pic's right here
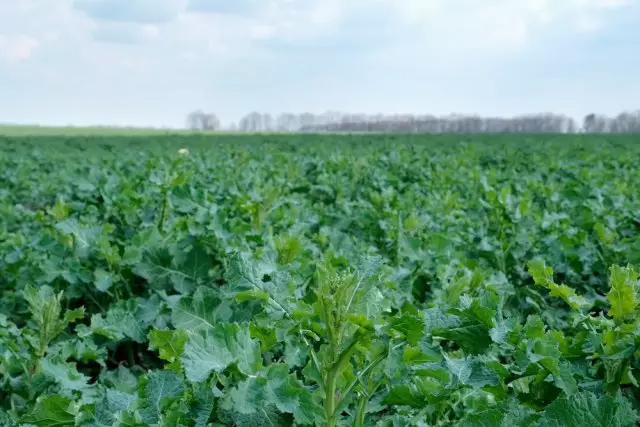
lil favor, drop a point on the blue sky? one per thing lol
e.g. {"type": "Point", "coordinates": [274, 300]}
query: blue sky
{"type": "Point", "coordinates": [150, 62]}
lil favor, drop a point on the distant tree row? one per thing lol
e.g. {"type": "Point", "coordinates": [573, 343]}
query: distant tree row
{"type": "Point", "coordinates": [199, 120]}
{"type": "Point", "coordinates": [628, 122]}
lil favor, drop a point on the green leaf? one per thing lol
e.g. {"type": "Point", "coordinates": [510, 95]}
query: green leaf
{"type": "Point", "coordinates": [564, 379]}
{"type": "Point", "coordinates": [52, 411]}
{"type": "Point", "coordinates": [567, 294]}
{"type": "Point", "coordinates": [121, 379]}
{"type": "Point", "coordinates": [65, 374]}
{"type": "Point", "coordinates": [605, 235]}
{"type": "Point", "coordinates": [203, 406]}
{"type": "Point", "coordinates": [246, 273]}
{"type": "Point", "coordinates": [472, 372]}
{"type": "Point", "coordinates": [60, 210]}
{"type": "Point", "coordinates": [128, 419]}
{"type": "Point", "coordinates": [295, 351]}
{"type": "Point", "coordinates": [157, 391]}
{"type": "Point", "coordinates": [102, 280]}
{"type": "Point", "coordinates": [541, 273]}
{"type": "Point", "coordinates": [201, 311]}
{"type": "Point", "coordinates": [46, 308]}
{"type": "Point", "coordinates": [196, 263]}
{"type": "Point", "coordinates": [267, 416]}
{"type": "Point", "coordinates": [83, 237]}
{"type": "Point", "coordinates": [488, 418]}
{"type": "Point", "coordinates": [409, 325]}
{"type": "Point", "coordinates": [469, 333]}
{"type": "Point", "coordinates": [109, 408]}
{"type": "Point", "coordinates": [543, 276]}
{"type": "Point", "coordinates": [252, 295]}
{"type": "Point", "coordinates": [120, 321]}
{"type": "Point", "coordinates": [405, 395]}
{"type": "Point", "coordinates": [276, 386]}
{"type": "Point", "coordinates": [622, 296]}
{"type": "Point", "coordinates": [183, 273]}
{"type": "Point", "coordinates": [586, 409]}
{"type": "Point", "coordinates": [215, 348]}
{"type": "Point", "coordinates": [170, 345]}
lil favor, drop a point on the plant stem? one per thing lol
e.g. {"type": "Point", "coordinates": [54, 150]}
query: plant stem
{"type": "Point", "coordinates": [361, 411]}
{"type": "Point", "coordinates": [330, 399]}
{"type": "Point", "coordinates": [165, 204]}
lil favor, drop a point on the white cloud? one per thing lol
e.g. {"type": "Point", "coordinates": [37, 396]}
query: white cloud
{"type": "Point", "coordinates": [436, 26]}
{"type": "Point", "coordinates": [16, 48]}
{"type": "Point", "coordinates": [497, 24]}
{"type": "Point", "coordinates": [312, 54]}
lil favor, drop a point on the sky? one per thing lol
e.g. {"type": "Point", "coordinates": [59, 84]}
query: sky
{"type": "Point", "coordinates": [150, 62]}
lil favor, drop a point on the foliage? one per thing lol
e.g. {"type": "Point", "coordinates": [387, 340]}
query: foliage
{"type": "Point", "coordinates": [313, 280]}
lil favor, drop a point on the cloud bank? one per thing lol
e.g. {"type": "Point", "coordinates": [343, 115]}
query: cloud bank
{"type": "Point", "coordinates": [149, 62]}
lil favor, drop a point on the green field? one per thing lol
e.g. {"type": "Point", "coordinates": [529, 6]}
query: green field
{"type": "Point", "coordinates": [318, 280]}
{"type": "Point", "coordinates": [32, 130]}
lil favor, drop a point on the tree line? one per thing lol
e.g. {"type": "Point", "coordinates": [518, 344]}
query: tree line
{"type": "Point", "coordinates": [627, 122]}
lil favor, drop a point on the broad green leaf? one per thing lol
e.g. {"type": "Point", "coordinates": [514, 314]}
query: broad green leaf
{"type": "Point", "coordinates": [128, 419]}
{"type": "Point", "coordinates": [267, 416]}
{"type": "Point", "coordinates": [472, 372]}
{"type": "Point", "coordinates": [488, 418]}
{"type": "Point", "coordinates": [65, 374]}
{"type": "Point", "coordinates": [119, 322]}
{"type": "Point", "coordinates": [183, 273]}
{"type": "Point", "coordinates": [201, 311]}
{"type": "Point", "coordinates": [586, 409]}
{"type": "Point", "coordinates": [214, 349]}
{"type": "Point", "coordinates": [196, 264]}
{"type": "Point", "coordinates": [83, 237]}
{"type": "Point", "coordinates": [203, 407]}
{"type": "Point", "coordinates": [102, 280]}
{"type": "Point", "coordinates": [410, 326]}
{"type": "Point", "coordinates": [157, 391]}
{"type": "Point", "coordinates": [405, 395]}
{"type": "Point", "coordinates": [52, 411]}
{"type": "Point", "coordinates": [295, 351]}
{"type": "Point", "coordinates": [246, 274]}
{"type": "Point", "coordinates": [468, 333]}
{"type": "Point", "coordinates": [110, 407]}
{"type": "Point", "coordinates": [622, 296]}
{"type": "Point", "coordinates": [564, 380]}
{"type": "Point", "coordinates": [170, 345]}
{"type": "Point", "coordinates": [276, 386]}
{"type": "Point", "coordinates": [120, 379]}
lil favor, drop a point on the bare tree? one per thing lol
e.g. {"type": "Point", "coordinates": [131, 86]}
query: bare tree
{"type": "Point", "coordinates": [596, 123]}
{"type": "Point", "coordinates": [199, 120]}
{"type": "Point", "coordinates": [332, 121]}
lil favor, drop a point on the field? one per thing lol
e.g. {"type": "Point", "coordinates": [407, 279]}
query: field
{"type": "Point", "coordinates": [60, 131]}
{"type": "Point", "coordinates": [319, 280]}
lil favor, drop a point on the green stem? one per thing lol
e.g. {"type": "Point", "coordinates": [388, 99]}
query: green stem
{"type": "Point", "coordinates": [165, 205]}
{"type": "Point", "coordinates": [331, 403]}
{"type": "Point", "coordinates": [330, 399]}
{"type": "Point", "coordinates": [127, 285]}
{"type": "Point", "coordinates": [361, 411]}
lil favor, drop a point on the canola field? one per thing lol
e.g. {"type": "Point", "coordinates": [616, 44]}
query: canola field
{"type": "Point", "coordinates": [196, 280]}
